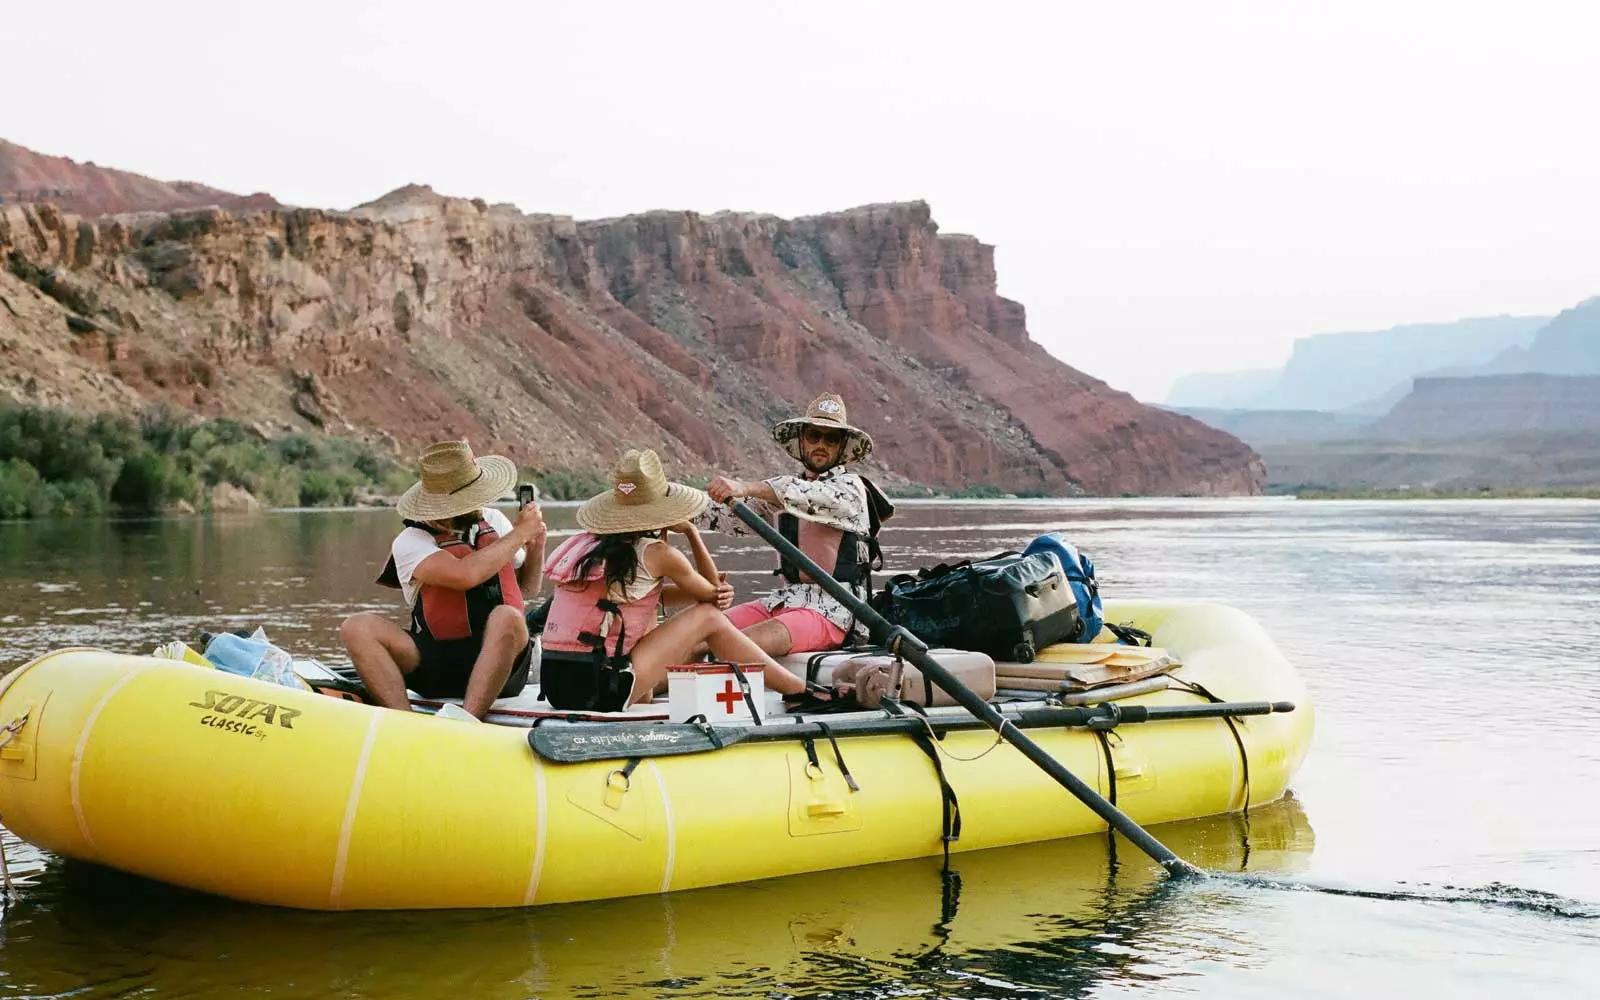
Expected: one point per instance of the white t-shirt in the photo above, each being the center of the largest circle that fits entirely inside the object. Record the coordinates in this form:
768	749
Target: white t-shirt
413	545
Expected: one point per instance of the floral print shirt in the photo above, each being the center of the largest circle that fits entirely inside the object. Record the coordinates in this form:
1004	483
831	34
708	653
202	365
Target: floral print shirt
837	499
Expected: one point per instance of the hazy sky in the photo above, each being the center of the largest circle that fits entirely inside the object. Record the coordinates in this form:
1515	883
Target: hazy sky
1172	186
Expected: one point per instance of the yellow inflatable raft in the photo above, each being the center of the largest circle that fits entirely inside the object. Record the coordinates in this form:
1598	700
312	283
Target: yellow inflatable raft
272	795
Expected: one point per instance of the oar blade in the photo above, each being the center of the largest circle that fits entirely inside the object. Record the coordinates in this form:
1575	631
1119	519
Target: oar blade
571	744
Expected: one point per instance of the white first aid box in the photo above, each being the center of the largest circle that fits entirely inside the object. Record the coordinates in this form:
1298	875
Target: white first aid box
712	690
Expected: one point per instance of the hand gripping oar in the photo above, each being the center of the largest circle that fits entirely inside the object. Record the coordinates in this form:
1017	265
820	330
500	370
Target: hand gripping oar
902	643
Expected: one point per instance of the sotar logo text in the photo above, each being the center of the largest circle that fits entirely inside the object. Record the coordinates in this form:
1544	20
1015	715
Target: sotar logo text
244	711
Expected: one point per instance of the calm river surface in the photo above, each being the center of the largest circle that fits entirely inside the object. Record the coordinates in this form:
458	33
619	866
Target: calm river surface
1451	799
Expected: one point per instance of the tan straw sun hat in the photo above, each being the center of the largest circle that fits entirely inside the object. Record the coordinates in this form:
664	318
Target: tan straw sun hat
453	482
826	411
640	499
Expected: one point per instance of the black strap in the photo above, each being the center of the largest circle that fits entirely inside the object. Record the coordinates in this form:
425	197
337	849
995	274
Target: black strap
744	687
1244	760
838	756
1111	767
951	806
698	720
811	751
1130	635
789	528
1233	727
616	660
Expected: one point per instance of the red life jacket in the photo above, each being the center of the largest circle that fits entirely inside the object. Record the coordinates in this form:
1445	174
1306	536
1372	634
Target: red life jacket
583	618
443	613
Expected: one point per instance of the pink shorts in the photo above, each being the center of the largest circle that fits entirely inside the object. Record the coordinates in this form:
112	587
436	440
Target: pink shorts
809	631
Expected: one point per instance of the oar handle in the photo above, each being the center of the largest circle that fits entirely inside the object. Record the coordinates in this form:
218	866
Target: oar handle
903	643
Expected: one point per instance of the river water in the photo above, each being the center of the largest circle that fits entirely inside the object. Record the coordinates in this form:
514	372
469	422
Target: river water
1442	838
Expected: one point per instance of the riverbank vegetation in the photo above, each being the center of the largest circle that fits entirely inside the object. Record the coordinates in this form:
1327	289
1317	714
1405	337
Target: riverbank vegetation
57	462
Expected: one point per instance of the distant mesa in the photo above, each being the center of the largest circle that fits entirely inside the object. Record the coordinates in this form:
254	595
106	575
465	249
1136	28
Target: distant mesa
1364	372
1524	419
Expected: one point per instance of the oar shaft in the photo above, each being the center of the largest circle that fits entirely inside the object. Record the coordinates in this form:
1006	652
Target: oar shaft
907	645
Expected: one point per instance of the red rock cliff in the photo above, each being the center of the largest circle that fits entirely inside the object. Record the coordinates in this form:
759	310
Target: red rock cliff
562	343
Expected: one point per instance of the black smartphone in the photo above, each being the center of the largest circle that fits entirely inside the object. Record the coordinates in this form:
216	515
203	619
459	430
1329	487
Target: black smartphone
526	493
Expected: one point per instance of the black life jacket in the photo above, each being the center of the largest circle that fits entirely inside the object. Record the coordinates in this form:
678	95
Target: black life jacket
443	614
858	555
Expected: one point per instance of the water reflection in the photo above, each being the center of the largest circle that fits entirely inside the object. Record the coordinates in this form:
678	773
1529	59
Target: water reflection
1065	917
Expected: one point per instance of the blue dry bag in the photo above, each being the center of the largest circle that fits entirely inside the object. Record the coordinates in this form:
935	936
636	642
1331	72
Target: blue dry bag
1080	577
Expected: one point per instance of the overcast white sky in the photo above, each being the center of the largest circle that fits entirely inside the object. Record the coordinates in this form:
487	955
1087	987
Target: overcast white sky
1173	186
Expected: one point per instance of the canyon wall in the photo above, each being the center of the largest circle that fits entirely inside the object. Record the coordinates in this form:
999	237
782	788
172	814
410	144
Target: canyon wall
561	343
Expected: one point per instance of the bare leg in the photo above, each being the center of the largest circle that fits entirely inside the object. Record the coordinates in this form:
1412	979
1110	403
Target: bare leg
383	653
670	643
505	636
772	636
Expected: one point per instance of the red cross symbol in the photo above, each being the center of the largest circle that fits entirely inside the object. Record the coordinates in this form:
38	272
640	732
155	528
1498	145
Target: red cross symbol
729	696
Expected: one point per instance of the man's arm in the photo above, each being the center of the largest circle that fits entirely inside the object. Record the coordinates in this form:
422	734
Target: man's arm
530	576
757	489
837	501
444	570
722	519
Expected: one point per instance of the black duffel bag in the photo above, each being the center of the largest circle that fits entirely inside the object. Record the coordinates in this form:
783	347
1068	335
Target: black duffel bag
1009	606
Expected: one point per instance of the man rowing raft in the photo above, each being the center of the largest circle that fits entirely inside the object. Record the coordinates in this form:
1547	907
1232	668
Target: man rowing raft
831	514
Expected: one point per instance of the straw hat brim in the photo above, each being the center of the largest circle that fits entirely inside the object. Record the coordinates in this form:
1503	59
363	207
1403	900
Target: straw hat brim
604	515
857	443
496	477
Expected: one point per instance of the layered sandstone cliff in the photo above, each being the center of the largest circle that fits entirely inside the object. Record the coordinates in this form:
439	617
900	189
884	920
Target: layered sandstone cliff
561	343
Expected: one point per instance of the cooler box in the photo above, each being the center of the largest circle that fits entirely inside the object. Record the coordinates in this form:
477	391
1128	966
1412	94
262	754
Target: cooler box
711	690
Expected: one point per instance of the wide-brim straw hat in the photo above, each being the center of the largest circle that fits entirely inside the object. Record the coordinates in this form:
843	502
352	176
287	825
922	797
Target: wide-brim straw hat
454	482
640	499
826	411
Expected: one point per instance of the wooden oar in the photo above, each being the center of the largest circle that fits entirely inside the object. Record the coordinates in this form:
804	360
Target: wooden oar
901	642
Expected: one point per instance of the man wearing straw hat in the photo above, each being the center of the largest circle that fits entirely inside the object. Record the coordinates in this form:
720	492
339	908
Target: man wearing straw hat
831	514
461	567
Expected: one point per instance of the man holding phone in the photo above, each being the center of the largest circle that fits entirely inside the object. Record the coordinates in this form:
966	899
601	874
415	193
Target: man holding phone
463	569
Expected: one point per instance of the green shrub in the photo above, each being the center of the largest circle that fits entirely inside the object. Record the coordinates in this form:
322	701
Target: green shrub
149	481
298	449
17	479
319	489
571	485
59	463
